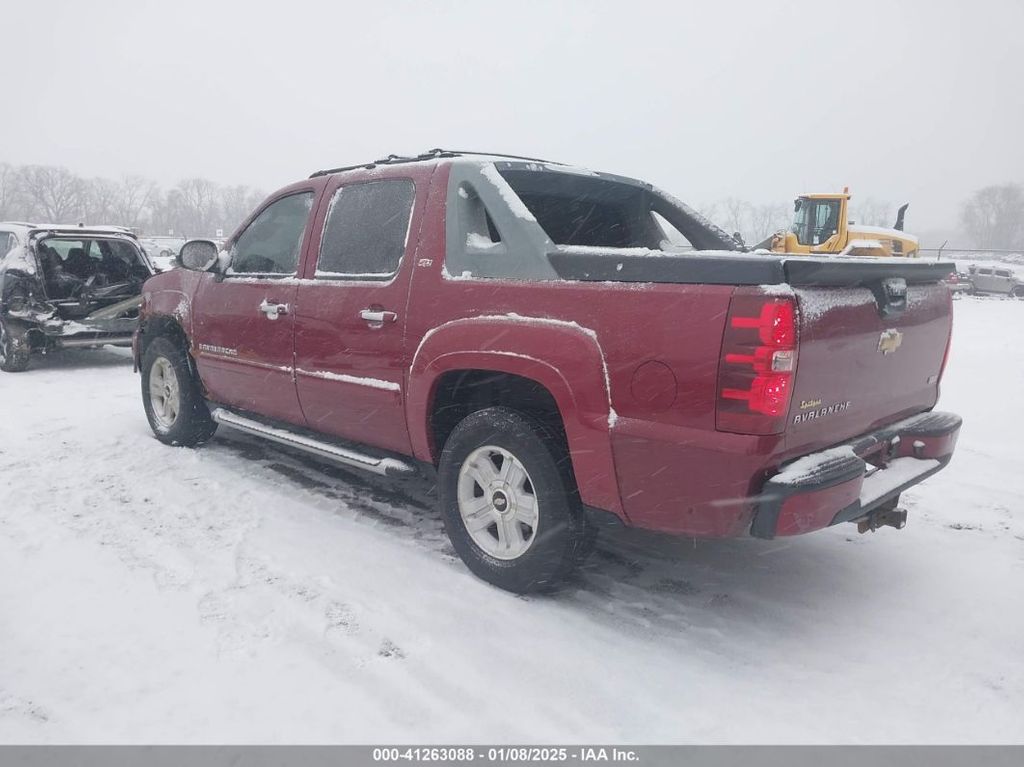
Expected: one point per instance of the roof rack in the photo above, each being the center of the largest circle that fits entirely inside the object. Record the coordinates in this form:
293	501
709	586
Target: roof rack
430	154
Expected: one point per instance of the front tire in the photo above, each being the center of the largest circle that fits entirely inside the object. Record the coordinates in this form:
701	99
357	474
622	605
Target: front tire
509	502
14	349
171	396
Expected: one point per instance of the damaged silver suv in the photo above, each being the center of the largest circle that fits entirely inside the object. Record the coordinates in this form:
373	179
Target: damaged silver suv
67	287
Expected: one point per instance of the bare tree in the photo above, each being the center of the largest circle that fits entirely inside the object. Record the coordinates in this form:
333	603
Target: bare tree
135	194
11	206
199	201
994	217
236	202
711	211
196	206
54	194
766	220
166	213
736	215
100	200
872	212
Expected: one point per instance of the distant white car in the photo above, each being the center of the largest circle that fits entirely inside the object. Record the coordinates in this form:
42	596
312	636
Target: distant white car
994	279
162	251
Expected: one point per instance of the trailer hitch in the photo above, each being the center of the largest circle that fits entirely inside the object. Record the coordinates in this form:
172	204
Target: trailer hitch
891	517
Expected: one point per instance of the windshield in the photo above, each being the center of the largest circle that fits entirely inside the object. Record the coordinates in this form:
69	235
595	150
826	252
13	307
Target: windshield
815	220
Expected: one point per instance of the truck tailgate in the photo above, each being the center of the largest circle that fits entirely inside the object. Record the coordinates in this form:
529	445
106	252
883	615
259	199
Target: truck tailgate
866	358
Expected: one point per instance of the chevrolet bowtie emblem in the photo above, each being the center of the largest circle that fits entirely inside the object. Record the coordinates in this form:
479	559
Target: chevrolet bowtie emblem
889	341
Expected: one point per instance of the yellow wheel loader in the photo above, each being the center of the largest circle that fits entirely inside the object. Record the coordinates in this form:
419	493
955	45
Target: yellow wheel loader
820	225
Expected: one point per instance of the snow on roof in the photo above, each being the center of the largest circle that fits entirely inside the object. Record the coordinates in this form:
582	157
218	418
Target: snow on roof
882	231
865	245
82	229
823	195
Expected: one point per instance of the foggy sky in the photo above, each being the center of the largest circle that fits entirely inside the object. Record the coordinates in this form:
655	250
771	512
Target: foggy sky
912	101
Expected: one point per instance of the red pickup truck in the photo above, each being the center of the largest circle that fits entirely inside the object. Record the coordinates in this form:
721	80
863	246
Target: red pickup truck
566	349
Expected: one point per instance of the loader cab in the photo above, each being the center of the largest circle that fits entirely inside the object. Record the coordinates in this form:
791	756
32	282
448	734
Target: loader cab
819	218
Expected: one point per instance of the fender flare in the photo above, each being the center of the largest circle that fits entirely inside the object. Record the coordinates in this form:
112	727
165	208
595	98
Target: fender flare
563	357
166	305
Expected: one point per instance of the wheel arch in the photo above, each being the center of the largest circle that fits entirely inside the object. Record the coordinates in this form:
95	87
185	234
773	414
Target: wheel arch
160	326
560	364
164	313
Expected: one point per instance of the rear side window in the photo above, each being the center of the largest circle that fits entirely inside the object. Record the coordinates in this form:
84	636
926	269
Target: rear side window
581	210
271	243
366	229
585	210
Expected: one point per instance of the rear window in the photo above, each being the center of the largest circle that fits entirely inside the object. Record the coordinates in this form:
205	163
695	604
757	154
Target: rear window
72	249
96	261
588	211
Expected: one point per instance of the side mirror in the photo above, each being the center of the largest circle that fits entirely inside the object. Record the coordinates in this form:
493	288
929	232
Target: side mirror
198	255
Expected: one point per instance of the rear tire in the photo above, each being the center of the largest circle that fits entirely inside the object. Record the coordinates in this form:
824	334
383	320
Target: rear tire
172	398
509	502
15	351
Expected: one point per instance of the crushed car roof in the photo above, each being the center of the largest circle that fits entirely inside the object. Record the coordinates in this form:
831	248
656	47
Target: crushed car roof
99	229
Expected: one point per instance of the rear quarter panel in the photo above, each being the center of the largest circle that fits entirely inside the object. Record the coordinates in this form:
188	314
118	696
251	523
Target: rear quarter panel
616	358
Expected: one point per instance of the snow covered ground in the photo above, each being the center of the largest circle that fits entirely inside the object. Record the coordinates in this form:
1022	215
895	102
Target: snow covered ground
240	593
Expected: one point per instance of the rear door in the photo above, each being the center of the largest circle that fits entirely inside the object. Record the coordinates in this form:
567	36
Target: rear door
1004	278
984	281
244	320
350	347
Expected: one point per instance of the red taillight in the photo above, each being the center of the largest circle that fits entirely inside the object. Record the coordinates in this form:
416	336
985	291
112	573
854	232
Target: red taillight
755	374
775	323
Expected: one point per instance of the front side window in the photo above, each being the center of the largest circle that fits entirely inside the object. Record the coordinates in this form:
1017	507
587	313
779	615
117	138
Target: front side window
271	243
7	241
366	229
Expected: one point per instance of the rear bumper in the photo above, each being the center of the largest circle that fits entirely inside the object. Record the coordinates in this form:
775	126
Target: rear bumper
850	481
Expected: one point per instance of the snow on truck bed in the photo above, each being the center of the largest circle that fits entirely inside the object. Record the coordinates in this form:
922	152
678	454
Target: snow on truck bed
241	593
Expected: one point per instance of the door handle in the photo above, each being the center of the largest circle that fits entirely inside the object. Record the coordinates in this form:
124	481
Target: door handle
273	310
378	316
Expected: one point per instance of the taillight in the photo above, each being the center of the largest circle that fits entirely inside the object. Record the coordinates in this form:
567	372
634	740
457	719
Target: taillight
755	372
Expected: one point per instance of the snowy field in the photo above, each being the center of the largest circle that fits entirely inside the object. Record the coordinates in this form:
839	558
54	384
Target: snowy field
240	593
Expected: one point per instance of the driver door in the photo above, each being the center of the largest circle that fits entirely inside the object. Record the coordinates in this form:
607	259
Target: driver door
243	319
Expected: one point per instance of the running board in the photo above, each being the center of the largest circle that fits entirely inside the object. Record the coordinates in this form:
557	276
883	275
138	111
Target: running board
390	467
